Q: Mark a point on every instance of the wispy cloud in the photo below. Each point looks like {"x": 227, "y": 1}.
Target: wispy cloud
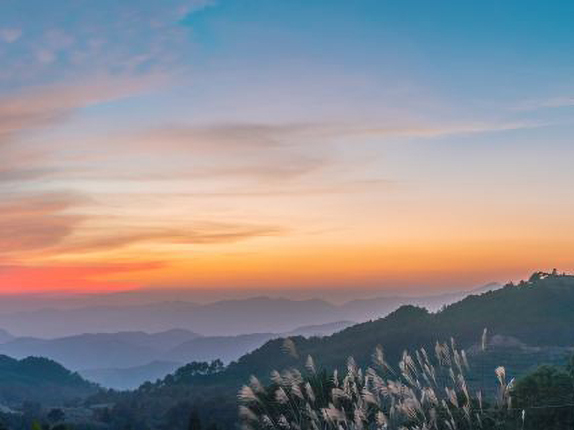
{"x": 10, "y": 35}
{"x": 226, "y": 136}
{"x": 199, "y": 233}
{"x": 46, "y": 105}
{"x": 31, "y": 223}
{"x": 562, "y": 101}
{"x": 53, "y": 224}
{"x": 429, "y": 130}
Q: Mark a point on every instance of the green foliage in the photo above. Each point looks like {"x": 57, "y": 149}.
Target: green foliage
{"x": 36, "y": 379}
{"x": 570, "y": 366}
{"x": 189, "y": 372}
{"x": 194, "y": 421}
{"x": 56, "y": 415}
{"x": 546, "y": 395}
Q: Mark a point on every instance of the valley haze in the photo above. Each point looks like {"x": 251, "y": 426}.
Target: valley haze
{"x": 124, "y": 346}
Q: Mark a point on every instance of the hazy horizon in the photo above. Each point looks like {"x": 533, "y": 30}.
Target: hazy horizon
{"x": 205, "y": 295}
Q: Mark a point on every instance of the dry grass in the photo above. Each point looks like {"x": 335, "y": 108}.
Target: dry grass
{"x": 427, "y": 391}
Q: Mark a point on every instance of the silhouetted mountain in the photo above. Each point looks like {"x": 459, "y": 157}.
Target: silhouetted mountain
{"x": 221, "y": 318}
{"x": 378, "y": 307}
{"x": 127, "y": 359}
{"x": 320, "y": 329}
{"x": 41, "y": 380}
{"x": 131, "y": 377}
{"x": 539, "y": 312}
{"x": 101, "y": 350}
{"x": 226, "y": 348}
{"x": 229, "y": 348}
{"x": 5, "y": 336}
{"x": 492, "y": 286}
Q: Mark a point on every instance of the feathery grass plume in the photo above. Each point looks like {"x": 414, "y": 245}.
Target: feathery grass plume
{"x": 379, "y": 357}
{"x": 310, "y": 365}
{"x": 281, "y": 396}
{"x": 336, "y": 378}
{"x": 266, "y": 421}
{"x": 504, "y": 389}
{"x": 484, "y": 341}
{"x": 290, "y": 348}
{"x": 247, "y": 395}
{"x": 500, "y": 373}
{"x": 247, "y": 414}
{"x": 283, "y": 422}
{"x": 523, "y": 416}
{"x": 428, "y": 392}
{"x": 465, "y": 360}
{"x": 309, "y": 392}
{"x": 256, "y": 385}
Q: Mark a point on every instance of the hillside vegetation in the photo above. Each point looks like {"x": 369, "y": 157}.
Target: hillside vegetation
{"x": 530, "y": 322}
{"x": 35, "y": 379}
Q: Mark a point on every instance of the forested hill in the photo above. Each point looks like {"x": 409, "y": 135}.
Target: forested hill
{"x": 40, "y": 380}
{"x": 537, "y": 312}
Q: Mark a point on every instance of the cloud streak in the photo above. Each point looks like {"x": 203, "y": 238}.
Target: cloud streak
{"x": 47, "y": 105}
{"x": 199, "y": 233}
{"x": 52, "y": 224}
{"x": 549, "y": 103}
{"x": 34, "y": 223}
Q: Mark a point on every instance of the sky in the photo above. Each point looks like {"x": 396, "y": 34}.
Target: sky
{"x": 275, "y": 145}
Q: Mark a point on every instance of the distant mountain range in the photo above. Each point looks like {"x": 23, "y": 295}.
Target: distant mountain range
{"x": 114, "y": 347}
{"x": 222, "y": 318}
{"x": 124, "y": 360}
{"x": 5, "y": 336}
{"x": 87, "y": 351}
{"x": 131, "y": 377}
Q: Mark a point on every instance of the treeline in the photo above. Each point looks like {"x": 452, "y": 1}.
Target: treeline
{"x": 545, "y": 398}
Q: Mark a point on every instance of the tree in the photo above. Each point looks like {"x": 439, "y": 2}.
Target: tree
{"x": 56, "y": 415}
{"x": 194, "y": 421}
{"x": 570, "y": 366}
{"x": 546, "y": 396}
{"x": 177, "y": 417}
{"x": 31, "y": 409}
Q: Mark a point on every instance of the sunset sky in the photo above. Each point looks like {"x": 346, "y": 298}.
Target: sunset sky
{"x": 276, "y": 144}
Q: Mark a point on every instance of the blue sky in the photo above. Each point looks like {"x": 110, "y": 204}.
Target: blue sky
{"x": 270, "y": 138}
